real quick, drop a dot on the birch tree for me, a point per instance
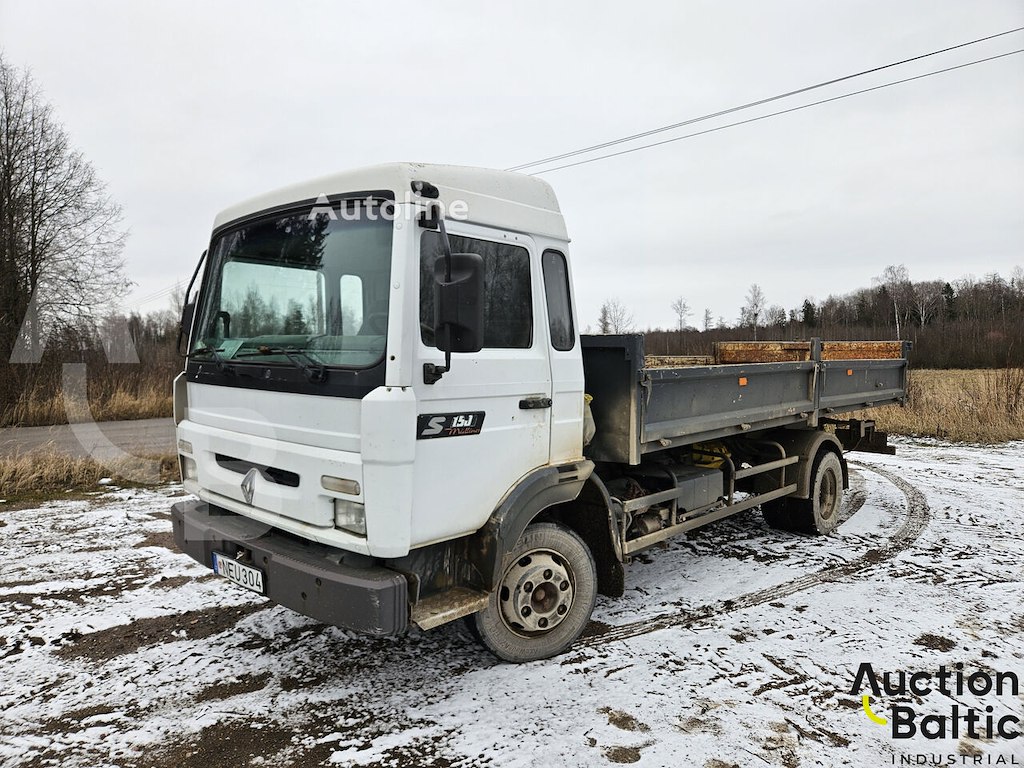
(753, 310)
(681, 309)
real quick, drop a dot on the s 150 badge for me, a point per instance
(431, 425)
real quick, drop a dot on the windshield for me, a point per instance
(302, 281)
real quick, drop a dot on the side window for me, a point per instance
(508, 303)
(556, 290)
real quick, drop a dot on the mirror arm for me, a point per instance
(432, 373)
(447, 248)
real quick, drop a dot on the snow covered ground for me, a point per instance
(737, 645)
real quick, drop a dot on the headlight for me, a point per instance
(350, 516)
(189, 471)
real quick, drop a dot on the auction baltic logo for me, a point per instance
(907, 720)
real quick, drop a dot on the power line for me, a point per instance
(158, 294)
(775, 114)
(154, 296)
(170, 289)
(757, 103)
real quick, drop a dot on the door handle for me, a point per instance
(534, 403)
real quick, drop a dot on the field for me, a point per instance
(734, 646)
(982, 406)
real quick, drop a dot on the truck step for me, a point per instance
(447, 606)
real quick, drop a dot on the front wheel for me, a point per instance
(544, 598)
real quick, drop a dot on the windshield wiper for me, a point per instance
(314, 370)
(220, 361)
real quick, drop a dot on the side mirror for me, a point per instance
(458, 303)
(185, 327)
(189, 310)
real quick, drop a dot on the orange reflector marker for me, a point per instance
(849, 371)
(743, 381)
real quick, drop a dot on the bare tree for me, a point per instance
(681, 309)
(1017, 280)
(927, 300)
(775, 315)
(896, 281)
(114, 332)
(60, 235)
(615, 318)
(178, 299)
(753, 310)
(709, 319)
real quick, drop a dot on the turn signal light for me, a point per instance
(339, 485)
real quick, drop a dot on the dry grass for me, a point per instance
(144, 395)
(41, 474)
(978, 406)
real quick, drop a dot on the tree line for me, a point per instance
(963, 323)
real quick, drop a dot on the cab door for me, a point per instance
(487, 422)
(566, 358)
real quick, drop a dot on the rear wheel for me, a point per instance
(544, 598)
(777, 513)
(818, 514)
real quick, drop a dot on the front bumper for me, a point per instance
(331, 585)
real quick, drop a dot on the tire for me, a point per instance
(777, 513)
(819, 514)
(543, 599)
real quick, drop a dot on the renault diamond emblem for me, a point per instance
(249, 485)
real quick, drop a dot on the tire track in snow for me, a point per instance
(855, 498)
(918, 515)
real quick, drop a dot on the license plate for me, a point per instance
(243, 575)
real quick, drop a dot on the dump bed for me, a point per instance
(644, 404)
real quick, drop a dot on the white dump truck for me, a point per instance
(388, 415)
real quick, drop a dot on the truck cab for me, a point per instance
(304, 411)
(381, 417)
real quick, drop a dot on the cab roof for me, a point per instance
(503, 199)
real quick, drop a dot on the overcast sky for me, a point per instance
(187, 107)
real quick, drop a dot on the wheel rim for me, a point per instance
(536, 593)
(828, 494)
